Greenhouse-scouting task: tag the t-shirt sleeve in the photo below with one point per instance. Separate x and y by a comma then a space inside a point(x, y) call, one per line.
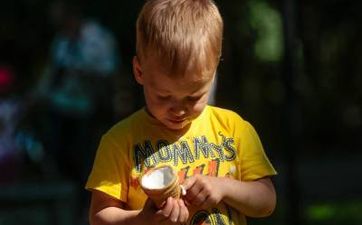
point(109, 172)
point(253, 162)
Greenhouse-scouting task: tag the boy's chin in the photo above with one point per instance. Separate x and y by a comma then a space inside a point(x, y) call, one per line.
point(177, 126)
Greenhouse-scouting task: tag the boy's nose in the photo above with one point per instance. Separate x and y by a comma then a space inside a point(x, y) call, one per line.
point(178, 110)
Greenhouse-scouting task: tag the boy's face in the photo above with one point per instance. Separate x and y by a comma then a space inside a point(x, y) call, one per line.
point(175, 102)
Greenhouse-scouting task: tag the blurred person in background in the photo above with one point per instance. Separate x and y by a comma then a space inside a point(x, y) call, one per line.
point(78, 86)
point(19, 143)
point(10, 157)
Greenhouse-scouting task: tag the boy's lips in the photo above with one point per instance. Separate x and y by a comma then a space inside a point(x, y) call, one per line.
point(177, 120)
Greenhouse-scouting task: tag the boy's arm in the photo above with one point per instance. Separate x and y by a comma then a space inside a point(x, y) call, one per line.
point(105, 210)
point(251, 198)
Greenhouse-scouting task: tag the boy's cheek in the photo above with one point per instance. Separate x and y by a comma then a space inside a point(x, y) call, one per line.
point(197, 109)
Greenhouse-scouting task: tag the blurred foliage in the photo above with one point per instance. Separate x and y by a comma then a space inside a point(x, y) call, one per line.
point(267, 23)
point(328, 76)
point(320, 213)
point(334, 213)
point(332, 97)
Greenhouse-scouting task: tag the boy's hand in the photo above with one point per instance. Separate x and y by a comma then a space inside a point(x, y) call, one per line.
point(203, 191)
point(172, 212)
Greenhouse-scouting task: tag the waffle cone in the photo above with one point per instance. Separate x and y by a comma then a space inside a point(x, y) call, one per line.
point(160, 195)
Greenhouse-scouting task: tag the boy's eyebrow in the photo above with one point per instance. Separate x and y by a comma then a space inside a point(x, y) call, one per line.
point(161, 90)
point(158, 88)
point(195, 93)
point(198, 93)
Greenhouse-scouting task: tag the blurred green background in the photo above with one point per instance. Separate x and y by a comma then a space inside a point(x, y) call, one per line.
point(291, 68)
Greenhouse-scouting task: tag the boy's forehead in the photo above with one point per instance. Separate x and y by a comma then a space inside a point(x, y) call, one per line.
point(156, 66)
point(191, 82)
point(162, 80)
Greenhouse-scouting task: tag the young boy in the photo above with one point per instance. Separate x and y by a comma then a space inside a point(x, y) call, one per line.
point(218, 156)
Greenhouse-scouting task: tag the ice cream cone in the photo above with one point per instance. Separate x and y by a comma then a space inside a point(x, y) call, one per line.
point(160, 183)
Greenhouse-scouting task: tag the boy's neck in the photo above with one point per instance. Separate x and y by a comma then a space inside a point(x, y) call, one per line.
point(178, 132)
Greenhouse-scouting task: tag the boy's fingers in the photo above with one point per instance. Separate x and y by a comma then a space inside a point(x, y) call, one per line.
point(167, 208)
point(197, 199)
point(193, 192)
point(184, 213)
point(205, 204)
point(187, 184)
point(175, 212)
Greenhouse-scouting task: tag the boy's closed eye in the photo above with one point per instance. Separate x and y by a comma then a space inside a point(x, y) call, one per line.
point(164, 97)
point(188, 98)
point(193, 98)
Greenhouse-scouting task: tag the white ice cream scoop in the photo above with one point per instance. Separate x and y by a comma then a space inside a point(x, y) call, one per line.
point(158, 178)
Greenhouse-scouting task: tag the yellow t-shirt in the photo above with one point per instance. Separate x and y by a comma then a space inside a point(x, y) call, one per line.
point(218, 143)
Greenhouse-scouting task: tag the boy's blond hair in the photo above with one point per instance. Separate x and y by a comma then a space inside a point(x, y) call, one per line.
point(184, 36)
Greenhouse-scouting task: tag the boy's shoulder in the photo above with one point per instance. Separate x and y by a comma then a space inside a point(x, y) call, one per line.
point(229, 119)
point(123, 126)
point(223, 114)
point(225, 117)
point(220, 109)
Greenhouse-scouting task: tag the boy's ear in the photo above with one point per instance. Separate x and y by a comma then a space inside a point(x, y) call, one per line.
point(137, 70)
